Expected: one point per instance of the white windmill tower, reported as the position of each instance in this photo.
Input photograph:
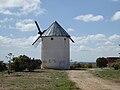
(55, 50)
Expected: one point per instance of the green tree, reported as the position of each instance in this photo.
(33, 64)
(23, 62)
(2, 66)
(9, 57)
(20, 63)
(101, 62)
(116, 65)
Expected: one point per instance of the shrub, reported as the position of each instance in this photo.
(116, 65)
(83, 65)
(2, 66)
(89, 65)
(19, 63)
(101, 62)
(80, 65)
(75, 65)
(24, 62)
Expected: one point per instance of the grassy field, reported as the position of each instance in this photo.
(38, 80)
(109, 74)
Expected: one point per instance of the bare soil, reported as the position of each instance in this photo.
(87, 81)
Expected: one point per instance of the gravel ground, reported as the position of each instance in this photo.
(86, 81)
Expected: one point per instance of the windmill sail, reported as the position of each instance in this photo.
(38, 28)
(37, 42)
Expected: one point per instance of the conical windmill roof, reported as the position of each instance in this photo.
(55, 30)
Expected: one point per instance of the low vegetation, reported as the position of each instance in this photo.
(77, 65)
(2, 66)
(116, 65)
(20, 63)
(109, 74)
(23, 62)
(37, 80)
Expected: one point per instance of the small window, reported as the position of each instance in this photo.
(51, 38)
(64, 38)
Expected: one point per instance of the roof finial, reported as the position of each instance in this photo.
(55, 21)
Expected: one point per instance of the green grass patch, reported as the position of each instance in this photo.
(38, 80)
(109, 74)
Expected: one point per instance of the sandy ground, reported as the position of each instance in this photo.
(86, 81)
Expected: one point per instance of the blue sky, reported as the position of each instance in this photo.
(93, 24)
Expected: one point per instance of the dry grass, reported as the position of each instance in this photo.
(109, 74)
(38, 80)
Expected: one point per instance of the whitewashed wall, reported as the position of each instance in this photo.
(55, 53)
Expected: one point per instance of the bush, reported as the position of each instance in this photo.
(2, 66)
(80, 65)
(88, 65)
(116, 65)
(19, 63)
(83, 65)
(75, 65)
(101, 62)
(24, 62)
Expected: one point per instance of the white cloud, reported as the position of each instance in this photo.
(5, 23)
(5, 20)
(84, 48)
(4, 40)
(20, 7)
(26, 25)
(95, 42)
(97, 37)
(90, 47)
(89, 18)
(108, 43)
(70, 30)
(114, 38)
(17, 42)
(116, 16)
(90, 39)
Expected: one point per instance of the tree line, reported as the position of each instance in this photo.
(24, 62)
(101, 62)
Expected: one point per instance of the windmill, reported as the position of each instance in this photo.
(55, 49)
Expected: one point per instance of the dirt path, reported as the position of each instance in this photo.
(86, 81)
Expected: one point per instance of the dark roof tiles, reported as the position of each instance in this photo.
(55, 30)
